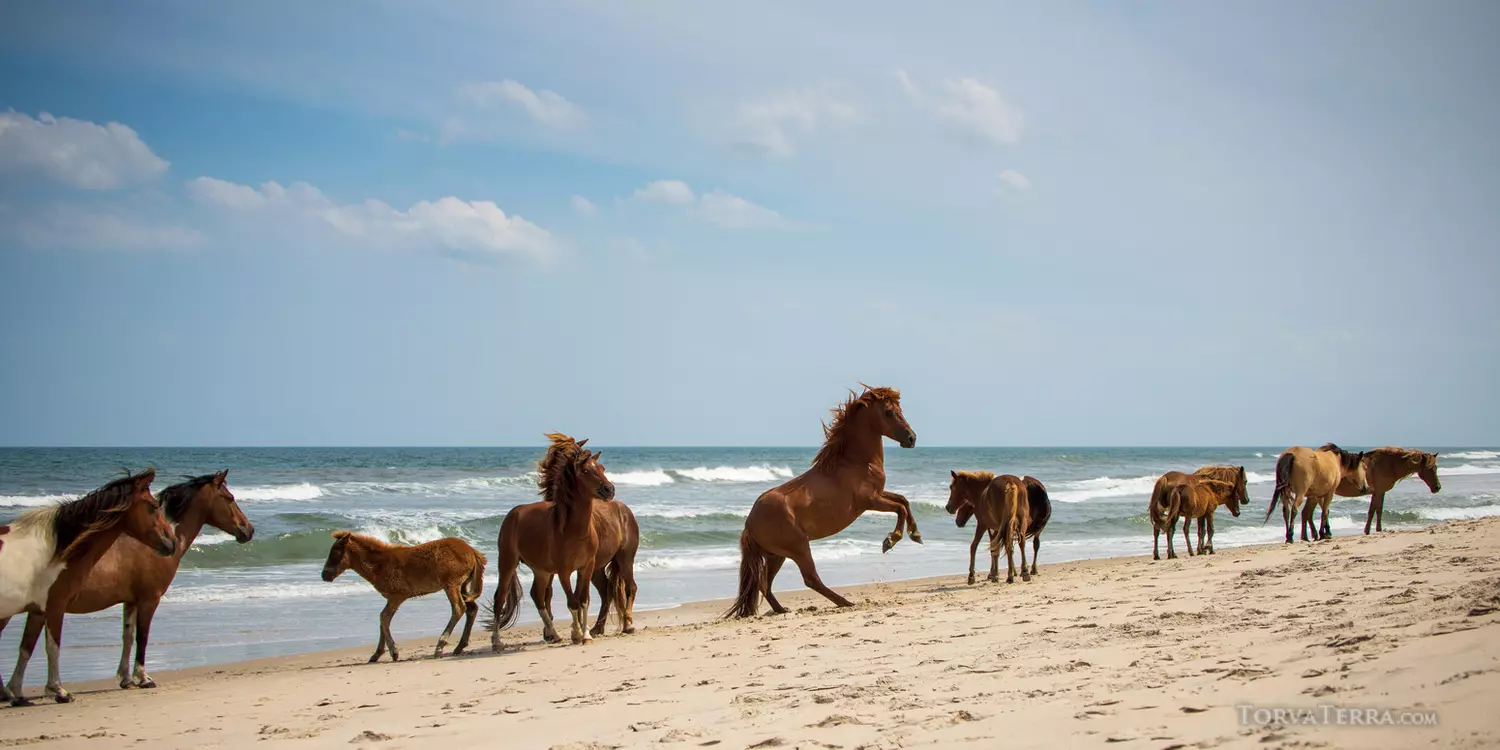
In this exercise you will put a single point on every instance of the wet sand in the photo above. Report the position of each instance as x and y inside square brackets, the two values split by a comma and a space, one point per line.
[1123, 652]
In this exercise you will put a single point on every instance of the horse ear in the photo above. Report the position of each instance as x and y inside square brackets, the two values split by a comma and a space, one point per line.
[583, 442]
[597, 454]
[953, 473]
[341, 534]
[220, 477]
[145, 478]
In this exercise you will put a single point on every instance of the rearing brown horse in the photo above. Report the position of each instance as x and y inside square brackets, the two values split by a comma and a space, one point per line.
[847, 478]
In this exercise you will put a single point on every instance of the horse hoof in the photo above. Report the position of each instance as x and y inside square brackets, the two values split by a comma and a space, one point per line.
[20, 702]
[1026, 579]
[886, 545]
[628, 630]
[1171, 555]
[373, 659]
[971, 580]
[395, 656]
[553, 638]
[916, 537]
[146, 684]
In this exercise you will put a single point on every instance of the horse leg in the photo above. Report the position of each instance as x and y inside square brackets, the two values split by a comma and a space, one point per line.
[883, 504]
[601, 584]
[801, 554]
[4, 691]
[627, 622]
[1378, 500]
[974, 549]
[994, 576]
[1156, 541]
[1324, 530]
[1210, 533]
[127, 638]
[1171, 534]
[1187, 538]
[385, 632]
[144, 612]
[34, 622]
[54, 645]
[1202, 526]
[541, 596]
[1021, 542]
[773, 566]
[576, 634]
[1009, 535]
[456, 602]
[911, 520]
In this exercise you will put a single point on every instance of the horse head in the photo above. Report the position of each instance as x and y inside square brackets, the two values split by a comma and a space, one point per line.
[224, 513]
[338, 559]
[1239, 496]
[143, 517]
[591, 478]
[1427, 471]
[885, 403]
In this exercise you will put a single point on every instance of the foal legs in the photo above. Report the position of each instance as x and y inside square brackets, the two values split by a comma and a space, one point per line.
[1020, 535]
[456, 601]
[386, 641]
[1187, 540]
[1210, 534]
[1202, 527]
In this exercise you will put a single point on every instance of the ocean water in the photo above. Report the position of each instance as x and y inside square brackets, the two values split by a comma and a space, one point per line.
[232, 602]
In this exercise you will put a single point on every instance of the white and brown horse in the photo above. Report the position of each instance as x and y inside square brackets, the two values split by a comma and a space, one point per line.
[47, 553]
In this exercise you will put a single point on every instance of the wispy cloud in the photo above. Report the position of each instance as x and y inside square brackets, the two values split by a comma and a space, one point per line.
[717, 207]
[968, 105]
[583, 206]
[76, 153]
[673, 192]
[1015, 179]
[545, 107]
[772, 124]
[66, 227]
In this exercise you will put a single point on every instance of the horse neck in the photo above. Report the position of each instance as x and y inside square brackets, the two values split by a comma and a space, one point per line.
[367, 561]
[578, 510]
[862, 447]
[187, 529]
[94, 547]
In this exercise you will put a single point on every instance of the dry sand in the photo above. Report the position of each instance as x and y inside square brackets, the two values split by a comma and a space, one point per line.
[1126, 652]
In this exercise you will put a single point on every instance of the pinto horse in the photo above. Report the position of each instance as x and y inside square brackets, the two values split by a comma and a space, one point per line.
[846, 479]
[47, 553]
[1194, 496]
[1039, 511]
[1384, 467]
[1313, 475]
[132, 574]
[554, 537]
[614, 568]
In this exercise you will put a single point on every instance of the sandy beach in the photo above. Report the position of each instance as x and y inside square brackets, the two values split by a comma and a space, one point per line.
[1125, 651]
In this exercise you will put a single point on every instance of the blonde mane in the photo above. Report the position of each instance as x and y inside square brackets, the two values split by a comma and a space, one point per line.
[836, 433]
[38, 521]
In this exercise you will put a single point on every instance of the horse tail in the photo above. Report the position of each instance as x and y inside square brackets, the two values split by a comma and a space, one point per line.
[474, 584]
[507, 607]
[1283, 483]
[616, 587]
[1160, 505]
[1041, 505]
[752, 574]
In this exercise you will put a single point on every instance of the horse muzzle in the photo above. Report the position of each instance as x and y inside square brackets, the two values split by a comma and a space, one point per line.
[166, 545]
[329, 575]
[606, 492]
[910, 441]
[244, 533]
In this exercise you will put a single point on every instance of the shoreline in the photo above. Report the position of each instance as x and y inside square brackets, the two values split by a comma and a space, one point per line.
[1151, 654]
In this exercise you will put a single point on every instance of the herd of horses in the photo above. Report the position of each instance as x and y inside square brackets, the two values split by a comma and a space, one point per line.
[120, 544]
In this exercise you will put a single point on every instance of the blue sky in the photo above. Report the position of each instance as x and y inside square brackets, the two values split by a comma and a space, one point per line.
[466, 223]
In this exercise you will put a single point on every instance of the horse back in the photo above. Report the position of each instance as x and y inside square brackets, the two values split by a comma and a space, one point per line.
[27, 570]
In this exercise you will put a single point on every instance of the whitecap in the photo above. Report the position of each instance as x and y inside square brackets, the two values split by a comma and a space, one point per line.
[761, 473]
[646, 478]
[301, 491]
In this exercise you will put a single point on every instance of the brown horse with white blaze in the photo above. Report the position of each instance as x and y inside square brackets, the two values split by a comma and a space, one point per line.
[132, 574]
[1002, 506]
[1304, 474]
[1194, 496]
[846, 479]
[554, 537]
[45, 555]
[1384, 467]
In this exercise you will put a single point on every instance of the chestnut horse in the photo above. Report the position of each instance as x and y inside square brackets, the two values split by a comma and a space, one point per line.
[1384, 467]
[1003, 507]
[1194, 496]
[847, 478]
[1313, 475]
[45, 555]
[130, 573]
[1039, 512]
[400, 572]
[614, 567]
[555, 536]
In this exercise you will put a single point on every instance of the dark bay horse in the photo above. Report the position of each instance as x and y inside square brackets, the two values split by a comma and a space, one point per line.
[554, 537]
[132, 574]
[614, 568]
[401, 572]
[1003, 507]
[1194, 496]
[45, 555]
[1038, 512]
[1304, 474]
[847, 478]
[1384, 467]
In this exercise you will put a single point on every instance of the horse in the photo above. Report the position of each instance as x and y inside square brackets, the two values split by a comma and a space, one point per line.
[846, 479]
[1003, 506]
[47, 553]
[1313, 475]
[555, 536]
[130, 573]
[1384, 467]
[614, 566]
[1039, 512]
[1194, 496]
[401, 572]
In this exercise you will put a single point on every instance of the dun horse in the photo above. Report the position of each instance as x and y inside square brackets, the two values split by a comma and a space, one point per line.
[399, 573]
[614, 566]
[1003, 506]
[130, 573]
[1040, 511]
[555, 537]
[1304, 474]
[1194, 496]
[46, 554]
[847, 478]
[1384, 467]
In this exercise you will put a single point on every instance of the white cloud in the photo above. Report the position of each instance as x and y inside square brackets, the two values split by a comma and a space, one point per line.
[1015, 179]
[583, 206]
[909, 86]
[445, 224]
[546, 107]
[674, 192]
[769, 125]
[77, 153]
[77, 228]
[733, 212]
[979, 110]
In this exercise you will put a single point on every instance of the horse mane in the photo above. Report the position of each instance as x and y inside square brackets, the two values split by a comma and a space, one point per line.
[76, 521]
[983, 476]
[1414, 457]
[557, 469]
[1347, 459]
[1227, 474]
[836, 433]
[176, 498]
[346, 536]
